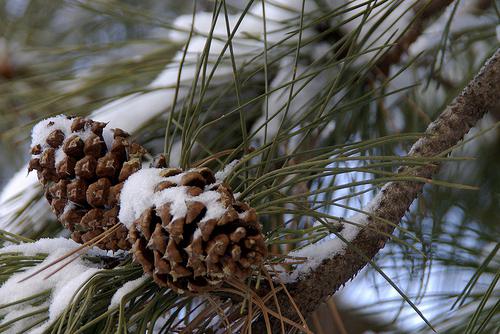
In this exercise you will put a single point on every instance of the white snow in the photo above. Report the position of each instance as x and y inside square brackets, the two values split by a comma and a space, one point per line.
[307, 89]
[128, 287]
[461, 22]
[197, 233]
[42, 246]
[387, 19]
[331, 245]
[250, 33]
[20, 326]
[65, 291]
[131, 112]
[16, 195]
[45, 127]
[267, 126]
[222, 174]
[62, 285]
[138, 195]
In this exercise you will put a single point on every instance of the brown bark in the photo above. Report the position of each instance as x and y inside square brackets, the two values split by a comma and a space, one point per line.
[478, 97]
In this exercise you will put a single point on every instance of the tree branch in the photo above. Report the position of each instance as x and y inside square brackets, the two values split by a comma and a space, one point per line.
[425, 11]
[478, 97]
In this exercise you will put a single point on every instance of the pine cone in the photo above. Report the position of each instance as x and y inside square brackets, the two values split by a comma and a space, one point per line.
[82, 165]
[195, 235]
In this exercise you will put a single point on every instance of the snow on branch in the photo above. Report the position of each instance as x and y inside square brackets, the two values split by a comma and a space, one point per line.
[337, 264]
[61, 286]
[331, 246]
[127, 288]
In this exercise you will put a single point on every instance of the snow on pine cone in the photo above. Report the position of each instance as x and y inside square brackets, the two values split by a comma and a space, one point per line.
[82, 165]
[188, 231]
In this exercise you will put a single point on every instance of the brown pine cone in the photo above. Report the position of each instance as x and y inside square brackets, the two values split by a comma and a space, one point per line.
[83, 165]
[194, 235]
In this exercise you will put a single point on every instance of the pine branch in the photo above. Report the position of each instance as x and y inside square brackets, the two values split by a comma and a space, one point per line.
[477, 98]
[425, 12]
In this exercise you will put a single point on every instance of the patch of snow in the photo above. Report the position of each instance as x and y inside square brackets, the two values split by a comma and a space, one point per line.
[463, 20]
[267, 126]
[176, 196]
[20, 326]
[306, 88]
[221, 175]
[124, 290]
[331, 245]
[175, 153]
[45, 127]
[138, 195]
[384, 24]
[321, 51]
[210, 199]
[197, 233]
[62, 285]
[42, 246]
[283, 10]
[65, 291]
[16, 196]
[250, 32]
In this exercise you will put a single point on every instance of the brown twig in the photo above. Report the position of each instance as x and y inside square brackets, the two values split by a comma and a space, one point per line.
[203, 162]
[271, 284]
[221, 313]
[290, 298]
[200, 317]
[337, 319]
[266, 311]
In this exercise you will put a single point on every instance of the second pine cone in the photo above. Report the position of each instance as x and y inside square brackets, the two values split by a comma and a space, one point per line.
[194, 252]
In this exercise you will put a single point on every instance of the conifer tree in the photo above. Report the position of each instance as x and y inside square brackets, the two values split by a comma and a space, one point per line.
[228, 166]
